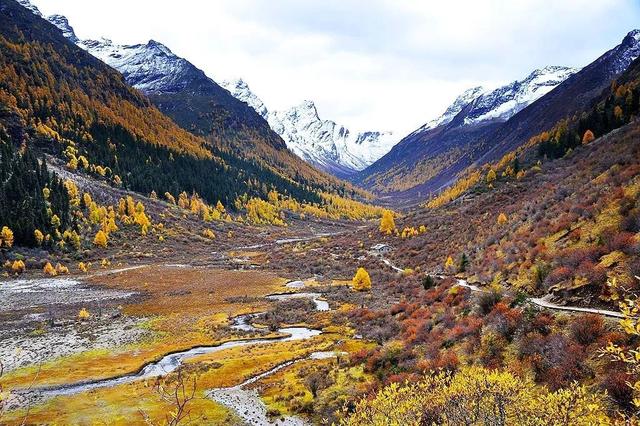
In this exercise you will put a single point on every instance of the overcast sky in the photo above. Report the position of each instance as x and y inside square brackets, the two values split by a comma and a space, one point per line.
[368, 64]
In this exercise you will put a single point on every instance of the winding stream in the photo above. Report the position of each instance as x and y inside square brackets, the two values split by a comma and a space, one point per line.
[246, 403]
[171, 362]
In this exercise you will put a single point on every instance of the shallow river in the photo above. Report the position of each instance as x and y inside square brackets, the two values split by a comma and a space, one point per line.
[245, 402]
[172, 361]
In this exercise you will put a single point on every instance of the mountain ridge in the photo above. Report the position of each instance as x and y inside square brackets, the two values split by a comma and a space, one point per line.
[155, 70]
[119, 135]
[198, 104]
[324, 143]
[429, 160]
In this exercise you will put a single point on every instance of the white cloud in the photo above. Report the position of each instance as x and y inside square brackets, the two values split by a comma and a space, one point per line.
[377, 64]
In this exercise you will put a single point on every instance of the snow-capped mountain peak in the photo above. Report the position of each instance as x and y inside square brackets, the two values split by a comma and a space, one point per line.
[150, 67]
[321, 142]
[506, 101]
[63, 24]
[478, 105]
[626, 52]
[240, 90]
[305, 111]
[154, 68]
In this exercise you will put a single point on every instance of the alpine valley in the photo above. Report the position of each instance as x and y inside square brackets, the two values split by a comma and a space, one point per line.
[156, 71]
[176, 252]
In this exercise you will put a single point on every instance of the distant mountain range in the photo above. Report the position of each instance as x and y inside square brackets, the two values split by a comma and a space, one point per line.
[481, 125]
[155, 70]
[322, 143]
[197, 103]
[179, 131]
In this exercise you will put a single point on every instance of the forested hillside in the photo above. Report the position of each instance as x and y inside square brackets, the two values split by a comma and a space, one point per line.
[55, 98]
[559, 213]
[74, 105]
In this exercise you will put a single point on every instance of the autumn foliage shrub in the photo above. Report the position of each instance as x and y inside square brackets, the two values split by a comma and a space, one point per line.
[49, 269]
[616, 384]
[18, 266]
[477, 396]
[587, 329]
[486, 300]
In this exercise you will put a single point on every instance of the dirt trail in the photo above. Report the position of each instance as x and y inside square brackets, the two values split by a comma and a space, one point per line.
[544, 302]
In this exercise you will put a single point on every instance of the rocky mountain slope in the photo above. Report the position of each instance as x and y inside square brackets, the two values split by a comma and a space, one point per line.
[503, 102]
[198, 104]
[454, 109]
[323, 143]
[113, 132]
[155, 70]
[490, 125]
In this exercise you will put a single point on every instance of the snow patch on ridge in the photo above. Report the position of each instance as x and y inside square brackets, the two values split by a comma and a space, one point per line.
[482, 105]
[506, 101]
[27, 4]
[150, 67]
[454, 109]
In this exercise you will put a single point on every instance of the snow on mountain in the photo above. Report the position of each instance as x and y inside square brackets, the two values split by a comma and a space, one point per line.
[240, 90]
[506, 101]
[153, 68]
[27, 4]
[150, 67]
[454, 109]
[320, 142]
[63, 23]
[626, 52]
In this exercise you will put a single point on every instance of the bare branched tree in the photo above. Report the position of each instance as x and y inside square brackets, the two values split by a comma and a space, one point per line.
[7, 399]
[178, 393]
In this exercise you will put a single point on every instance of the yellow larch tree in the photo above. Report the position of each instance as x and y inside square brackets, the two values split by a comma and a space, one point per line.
[61, 269]
[18, 266]
[39, 236]
[170, 198]
[491, 176]
[183, 200]
[86, 199]
[100, 239]
[7, 237]
[387, 223]
[449, 264]
[49, 270]
[361, 280]
[55, 221]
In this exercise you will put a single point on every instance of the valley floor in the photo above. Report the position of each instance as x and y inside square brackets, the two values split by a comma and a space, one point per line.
[152, 313]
